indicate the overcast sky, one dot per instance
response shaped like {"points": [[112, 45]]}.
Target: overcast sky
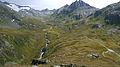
{"points": [[51, 4]]}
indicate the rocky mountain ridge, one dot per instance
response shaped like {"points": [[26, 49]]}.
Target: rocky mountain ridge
{"points": [[77, 10]]}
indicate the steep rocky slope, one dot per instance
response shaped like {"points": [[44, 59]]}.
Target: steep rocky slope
{"points": [[109, 14]]}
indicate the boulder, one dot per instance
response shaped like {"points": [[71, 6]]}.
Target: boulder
{"points": [[93, 56], [36, 62]]}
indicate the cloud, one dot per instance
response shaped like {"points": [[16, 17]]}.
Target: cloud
{"points": [[101, 3], [51, 4]]}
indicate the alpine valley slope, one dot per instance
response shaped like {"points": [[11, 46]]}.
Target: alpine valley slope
{"points": [[78, 43]]}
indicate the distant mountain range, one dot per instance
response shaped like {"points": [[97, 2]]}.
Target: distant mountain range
{"points": [[77, 10], [35, 13], [28, 11]]}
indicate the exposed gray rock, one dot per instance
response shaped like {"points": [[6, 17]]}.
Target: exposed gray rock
{"points": [[34, 66], [55, 66]]}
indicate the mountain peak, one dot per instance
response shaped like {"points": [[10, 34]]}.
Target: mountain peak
{"points": [[79, 3], [78, 0], [77, 9]]}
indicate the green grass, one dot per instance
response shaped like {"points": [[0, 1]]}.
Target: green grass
{"points": [[73, 47]]}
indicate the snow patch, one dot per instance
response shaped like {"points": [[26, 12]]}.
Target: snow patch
{"points": [[16, 8]]}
